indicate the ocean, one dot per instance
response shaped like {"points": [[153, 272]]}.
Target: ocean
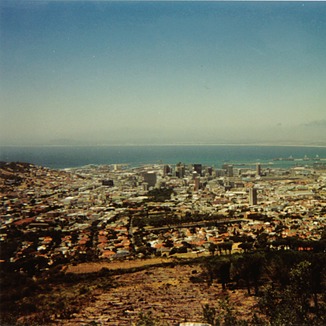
{"points": [[59, 157]]}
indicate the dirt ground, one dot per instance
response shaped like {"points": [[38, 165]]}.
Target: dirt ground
{"points": [[92, 267], [167, 292]]}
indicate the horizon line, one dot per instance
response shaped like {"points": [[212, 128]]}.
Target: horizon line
{"points": [[167, 144]]}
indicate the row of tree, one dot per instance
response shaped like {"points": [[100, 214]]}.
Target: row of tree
{"points": [[169, 219], [290, 285]]}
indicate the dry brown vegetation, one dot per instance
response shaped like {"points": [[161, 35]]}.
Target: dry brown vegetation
{"points": [[274, 288], [165, 291]]}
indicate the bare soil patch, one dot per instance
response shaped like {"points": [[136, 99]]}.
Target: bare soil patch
{"points": [[165, 291], [93, 267]]}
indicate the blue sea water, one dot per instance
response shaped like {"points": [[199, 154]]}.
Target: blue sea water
{"points": [[213, 155]]}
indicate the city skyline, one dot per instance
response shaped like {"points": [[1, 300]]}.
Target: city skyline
{"points": [[162, 72]]}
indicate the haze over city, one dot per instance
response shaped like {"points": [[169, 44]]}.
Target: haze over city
{"points": [[76, 72]]}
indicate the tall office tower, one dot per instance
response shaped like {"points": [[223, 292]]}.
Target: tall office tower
{"points": [[220, 172], [229, 170], [150, 178], [252, 196], [197, 184], [198, 168], [258, 169], [180, 170], [166, 170]]}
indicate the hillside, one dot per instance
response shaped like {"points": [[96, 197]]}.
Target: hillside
{"points": [[75, 251]]}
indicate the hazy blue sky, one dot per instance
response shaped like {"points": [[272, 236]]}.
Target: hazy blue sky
{"points": [[162, 72]]}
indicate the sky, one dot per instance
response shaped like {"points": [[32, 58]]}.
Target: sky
{"points": [[101, 72]]}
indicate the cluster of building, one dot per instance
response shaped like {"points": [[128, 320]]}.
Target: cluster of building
{"points": [[94, 212]]}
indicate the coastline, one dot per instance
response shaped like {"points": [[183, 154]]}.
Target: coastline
{"points": [[67, 156], [169, 145]]}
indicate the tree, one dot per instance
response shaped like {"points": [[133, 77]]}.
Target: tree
{"points": [[318, 277], [291, 306], [224, 314], [217, 268], [146, 319], [246, 246], [249, 267], [301, 286], [210, 315], [226, 246], [224, 272], [212, 247]]}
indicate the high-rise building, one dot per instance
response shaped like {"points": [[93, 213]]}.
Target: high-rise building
{"points": [[258, 169], [209, 170], [252, 196], [150, 178], [198, 168], [197, 184], [220, 172], [180, 170], [166, 170], [229, 170]]}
